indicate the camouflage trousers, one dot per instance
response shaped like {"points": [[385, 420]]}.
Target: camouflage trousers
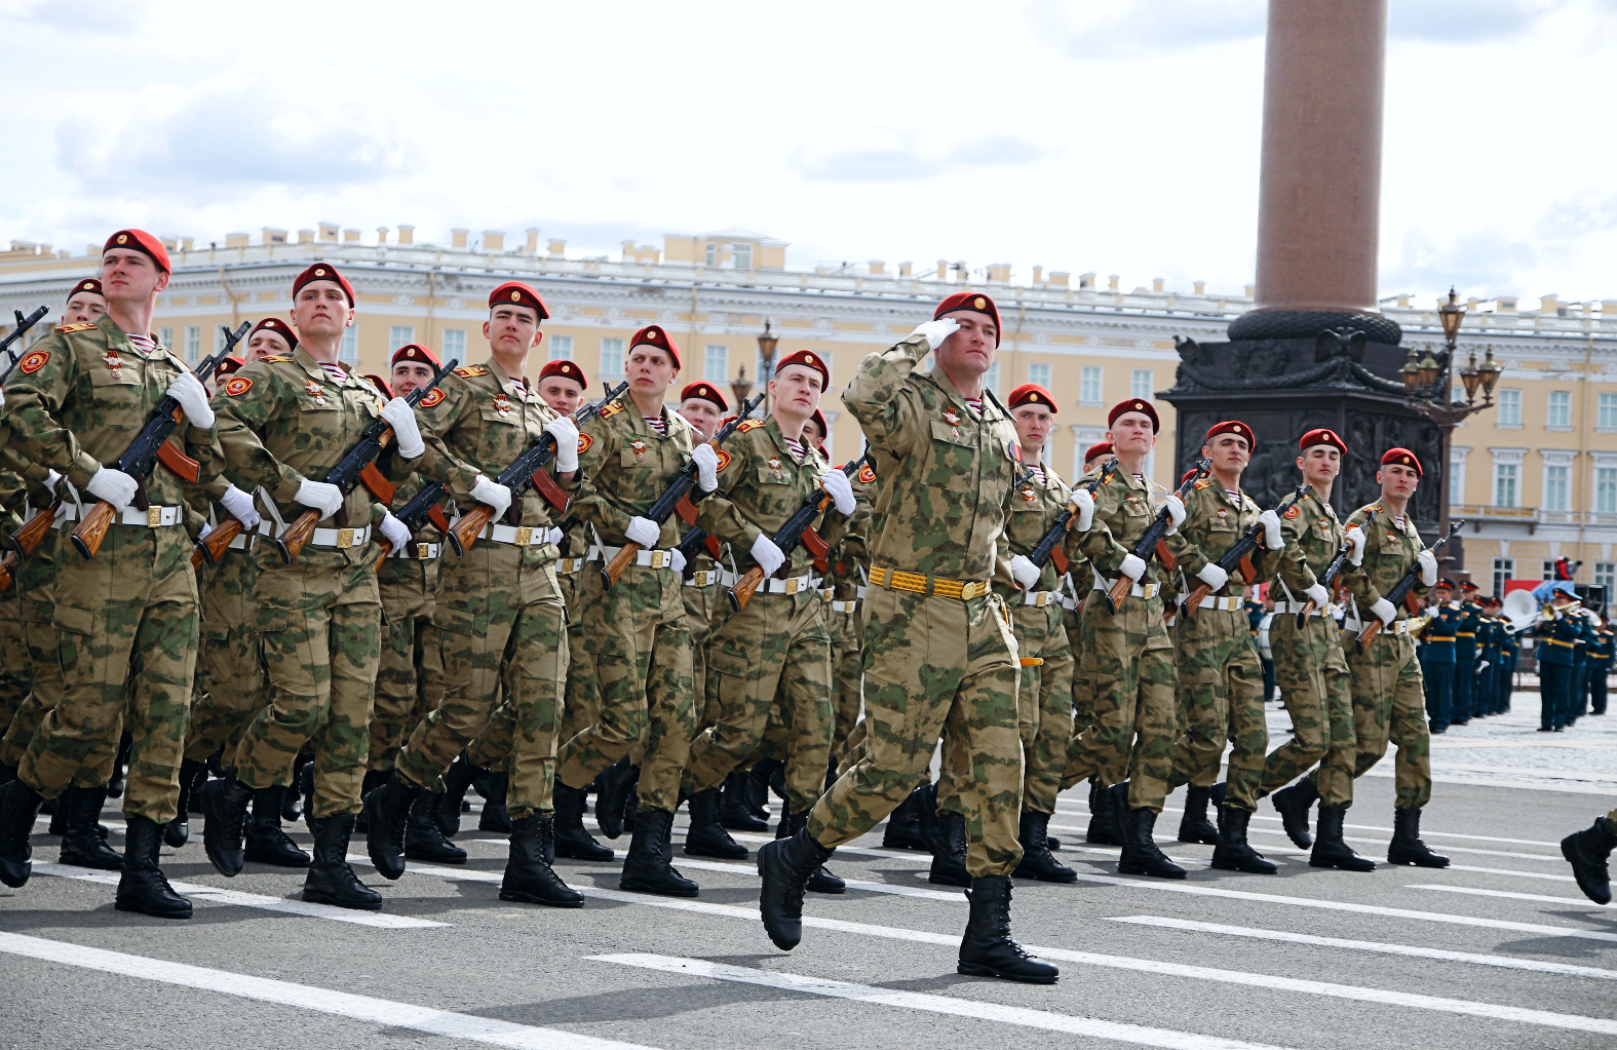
{"points": [[772, 656], [1313, 676], [639, 637], [1083, 685], [120, 651], [936, 665], [230, 662], [409, 676], [1132, 728], [847, 673], [1220, 697], [1389, 704], [499, 628], [703, 615], [16, 672], [319, 623], [35, 581]]}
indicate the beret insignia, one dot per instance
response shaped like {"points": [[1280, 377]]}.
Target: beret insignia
{"points": [[436, 397], [1292, 511], [751, 424], [236, 386], [34, 361], [724, 459], [123, 238], [867, 474], [76, 326], [584, 443], [516, 295], [979, 302]]}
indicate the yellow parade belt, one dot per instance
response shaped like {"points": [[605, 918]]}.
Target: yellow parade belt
{"points": [[916, 583], [1557, 641]]}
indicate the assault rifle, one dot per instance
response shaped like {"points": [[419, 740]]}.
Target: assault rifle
{"points": [[1402, 591], [1151, 543], [1050, 547], [23, 324], [357, 464], [422, 508], [1240, 555], [1327, 579], [148, 449], [789, 535]]}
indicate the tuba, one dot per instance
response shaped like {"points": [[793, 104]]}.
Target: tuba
{"points": [[1521, 611]]}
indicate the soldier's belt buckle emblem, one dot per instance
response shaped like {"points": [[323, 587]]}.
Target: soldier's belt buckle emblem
{"points": [[154, 517], [345, 538], [423, 551], [791, 585], [524, 535], [659, 559]]}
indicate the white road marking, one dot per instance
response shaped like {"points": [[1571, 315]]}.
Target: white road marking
{"points": [[252, 900], [1476, 958], [382, 1012], [1044, 1020], [1580, 901], [739, 868], [1543, 876], [1078, 809]]}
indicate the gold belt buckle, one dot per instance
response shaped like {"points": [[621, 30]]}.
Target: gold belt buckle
{"points": [[154, 517], [524, 534], [791, 585], [659, 559], [345, 538], [423, 551]]}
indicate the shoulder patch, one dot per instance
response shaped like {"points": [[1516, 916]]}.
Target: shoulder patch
{"points": [[750, 424], [33, 361], [436, 397], [724, 459], [471, 371], [1292, 511], [867, 474], [584, 443], [610, 410], [236, 386], [1204, 483], [76, 326], [275, 359]]}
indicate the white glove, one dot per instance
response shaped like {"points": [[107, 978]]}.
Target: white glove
{"points": [[206, 529], [1176, 512], [240, 506], [1086, 510], [113, 486], [565, 431], [1483, 666], [317, 495], [395, 532], [193, 398], [707, 466], [936, 331], [768, 556], [553, 537], [1024, 572], [1428, 568], [679, 561], [1384, 611], [493, 495], [406, 434], [1273, 539], [1133, 568], [1318, 595], [1213, 576], [51, 478], [1356, 537], [643, 531], [840, 489]]}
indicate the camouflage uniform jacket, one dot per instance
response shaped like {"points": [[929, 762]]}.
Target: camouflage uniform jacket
{"points": [[1124, 508], [948, 475], [760, 486], [1213, 524], [1034, 508], [851, 553], [1389, 553], [624, 465], [1313, 535]]}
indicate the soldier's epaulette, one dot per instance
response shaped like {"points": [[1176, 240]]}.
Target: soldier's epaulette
{"points": [[471, 371], [611, 410], [751, 424], [76, 326], [1204, 483], [276, 359]]}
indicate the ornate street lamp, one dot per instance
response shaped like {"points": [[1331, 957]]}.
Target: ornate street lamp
{"points": [[741, 387], [767, 341]]}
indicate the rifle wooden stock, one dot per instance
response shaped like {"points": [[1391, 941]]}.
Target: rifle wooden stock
{"points": [[34, 531], [1119, 591], [613, 571], [212, 547], [1368, 635], [291, 542], [7, 564], [376, 484], [1195, 599], [464, 532], [1302, 617], [743, 590], [89, 533]]}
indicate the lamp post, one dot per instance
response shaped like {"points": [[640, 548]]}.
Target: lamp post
{"points": [[741, 387], [767, 341], [1428, 389]]}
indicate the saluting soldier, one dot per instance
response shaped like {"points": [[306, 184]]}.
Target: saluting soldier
{"points": [[940, 655], [285, 422], [121, 643]]}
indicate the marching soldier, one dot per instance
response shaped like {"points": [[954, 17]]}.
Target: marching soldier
{"points": [[1588, 852], [1558, 639], [948, 459], [1468, 620], [121, 643], [1080, 582], [1436, 654]]}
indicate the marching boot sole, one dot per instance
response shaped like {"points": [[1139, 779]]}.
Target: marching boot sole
{"points": [[1599, 892], [534, 898], [637, 886], [1065, 875], [1417, 861], [1155, 873], [278, 860], [116, 863], [1364, 865], [170, 913], [434, 856], [980, 970], [389, 867], [315, 897], [820, 882], [1251, 868]]}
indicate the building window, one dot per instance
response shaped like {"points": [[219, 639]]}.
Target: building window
{"points": [[612, 357], [220, 334], [1606, 574], [712, 253], [991, 378], [1089, 385], [454, 344], [716, 363], [165, 338], [1560, 414], [1549, 569], [1555, 488], [741, 256], [1607, 412], [399, 335], [1510, 408], [348, 350], [1606, 490], [193, 343], [1503, 569], [1140, 383], [561, 348], [1040, 374], [1456, 483], [1504, 484]]}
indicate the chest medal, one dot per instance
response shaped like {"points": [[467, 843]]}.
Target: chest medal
{"points": [[638, 447], [501, 405], [316, 391], [113, 363]]}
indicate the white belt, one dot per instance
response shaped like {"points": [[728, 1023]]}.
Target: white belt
{"points": [[418, 551], [1138, 590], [1402, 626], [155, 517], [1040, 599], [844, 607], [242, 542], [572, 565], [1228, 605], [643, 558], [341, 539], [827, 593], [793, 585], [703, 578], [859, 592], [1069, 603], [516, 535], [1297, 607]]}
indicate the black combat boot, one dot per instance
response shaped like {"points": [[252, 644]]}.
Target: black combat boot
{"points": [[330, 879], [143, 887], [786, 866], [266, 843], [1587, 851], [422, 839], [300, 797], [193, 775], [120, 767], [646, 868], [821, 880], [706, 837], [1233, 852], [613, 788], [83, 845], [457, 780], [528, 875], [1102, 829], [19, 805], [1117, 804], [949, 862], [758, 790], [374, 778], [1329, 849], [571, 838], [1194, 825], [495, 817], [1293, 803], [903, 829], [1406, 846], [388, 810], [57, 808], [1140, 853], [733, 811], [224, 809], [925, 801], [1037, 863], [7, 774], [987, 949]]}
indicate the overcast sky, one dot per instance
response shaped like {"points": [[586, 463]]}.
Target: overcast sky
{"points": [[1119, 137]]}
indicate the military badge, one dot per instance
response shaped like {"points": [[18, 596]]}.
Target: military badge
{"points": [[236, 386], [584, 443], [1013, 450], [951, 417], [724, 460], [34, 361], [867, 474], [315, 390], [1028, 495], [435, 398], [1292, 511], [113, 361], [501, 405], [638, 447], [774, 463]]}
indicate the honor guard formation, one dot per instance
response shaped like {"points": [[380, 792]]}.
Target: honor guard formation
{"points": [[268, 588]]}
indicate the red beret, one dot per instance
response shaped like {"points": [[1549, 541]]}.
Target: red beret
{"points": [[808, 359], [705, 391], [818, 418], [970, 301], [380, 384], [417, 353], [1187, 475], [228, 366], [1322, 436], [1135, 404], [140, 241], [89, 284], [323, 271], [567, 370], [1032, 394], [1232, 426], [519, 293], [653, 335], [279, 327], [1100, 448], [1403, 457]]}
